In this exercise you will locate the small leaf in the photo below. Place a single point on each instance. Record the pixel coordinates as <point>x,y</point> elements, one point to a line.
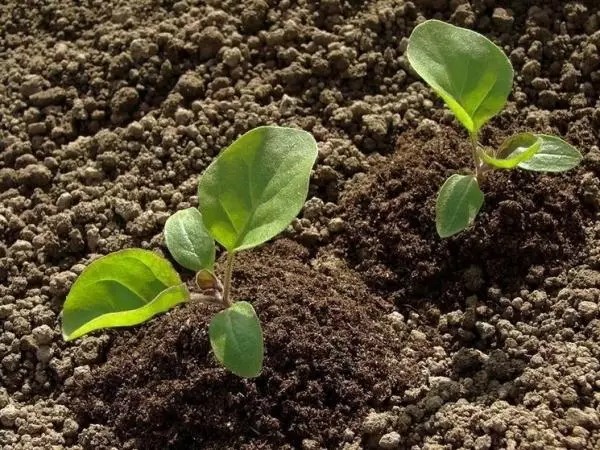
<point>211,289</point>
<point>471,74</point>
<point>188,240</point>
<point>458,202</point>
<point>518,148</point>
<point>207,281</point>
<point>237,341</point>
<point>555,155</point>
<point>256,186</point>
<point>121,289</point>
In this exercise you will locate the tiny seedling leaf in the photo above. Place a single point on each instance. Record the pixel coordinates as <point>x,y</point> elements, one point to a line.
<point>256,186</point>
<point>471,74</point>
<point>515,150</point>
<point>458,202</point>
<point>210,287</point>
<point>188,240</point>
<point>122,289</point>
<point>237,341</point>
<point>555,155</point>
<point>208,281</point>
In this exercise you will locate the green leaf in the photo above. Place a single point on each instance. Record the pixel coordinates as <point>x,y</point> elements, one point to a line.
<point>256,186</point>
<point>471,74</point>
<point>555,155</point>
<point>458,202</point>
<point>207,280</point>
<point>188,240</point>
<point>515,150</point>
<point>237,341</point>
<point>122,289</point>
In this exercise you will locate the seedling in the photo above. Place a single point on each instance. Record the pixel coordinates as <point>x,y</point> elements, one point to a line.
<point>248,195</point>
<point>474,78</point>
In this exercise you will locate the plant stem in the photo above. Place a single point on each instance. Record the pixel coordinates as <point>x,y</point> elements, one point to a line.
<point>227,286</point>
<point>476,159</point>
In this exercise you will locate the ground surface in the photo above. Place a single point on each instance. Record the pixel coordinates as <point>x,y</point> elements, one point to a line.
<point>378,334</point>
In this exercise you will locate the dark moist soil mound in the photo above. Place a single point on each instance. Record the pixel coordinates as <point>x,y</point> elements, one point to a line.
<point>329,357</point>
<point>530,225</point>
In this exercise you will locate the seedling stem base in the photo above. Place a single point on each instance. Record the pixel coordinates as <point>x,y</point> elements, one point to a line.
<point>227,285</point>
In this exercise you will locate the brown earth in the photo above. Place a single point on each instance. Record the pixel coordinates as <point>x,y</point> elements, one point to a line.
<point>328,359</point>
<point>378,333</point>
<point>531,225</point>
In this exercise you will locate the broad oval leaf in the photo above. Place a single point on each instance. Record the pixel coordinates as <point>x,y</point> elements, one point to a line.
<point>237,341</point>
<point>189,241</point>
<point>256,186</point>
<point>121,289</point>
<point>515,150</point>
<point>471,74</point>
<point>555,155</point>
<point>458,202</point>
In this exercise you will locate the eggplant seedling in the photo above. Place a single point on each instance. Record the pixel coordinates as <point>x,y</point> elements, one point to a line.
<point>474,78</point>
<point>248,195</point>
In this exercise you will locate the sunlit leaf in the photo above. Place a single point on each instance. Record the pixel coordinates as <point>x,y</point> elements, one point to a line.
<point>515,150</point>
<point>121,289</point>
<point>471,74</point>
<point>256,186</point>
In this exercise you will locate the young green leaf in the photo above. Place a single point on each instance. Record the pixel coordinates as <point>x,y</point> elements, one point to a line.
<point>256,186</point>
<point>207,280</point>
<point>515,150</point>
<point>471,74</point>
<point>458,202</point>
<point>188,240</point>
<point>555,155</point>
<point>237,341</point>
<point>210,288</point>
<point>121,289</point>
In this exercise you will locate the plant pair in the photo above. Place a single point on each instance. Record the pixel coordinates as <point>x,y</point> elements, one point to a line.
<point>248,195</point>
<point>474,78</point>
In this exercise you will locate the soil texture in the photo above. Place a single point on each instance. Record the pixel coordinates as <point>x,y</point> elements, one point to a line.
<point>378,334</point>
<point>531,225</point>
<point>330,357</point>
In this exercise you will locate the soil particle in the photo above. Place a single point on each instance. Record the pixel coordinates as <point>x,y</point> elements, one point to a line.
<point>52,96</point>
<point>125,100</point>
<point>390,441</point>
<point>502,19</point>
<point>34,175</point>
<point>190,86</point>
<point>209,41</point>
<point>43,334</point>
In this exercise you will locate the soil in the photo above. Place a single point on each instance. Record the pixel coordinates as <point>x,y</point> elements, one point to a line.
<point>529,223</point>
<point>330,358</point>
<point>378,334</point>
